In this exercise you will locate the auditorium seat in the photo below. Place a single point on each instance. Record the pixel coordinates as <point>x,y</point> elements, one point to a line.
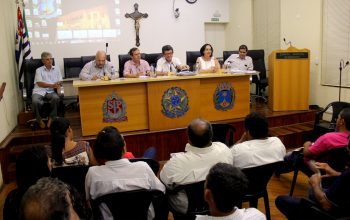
<point>152,58</point>
<point>191,58</point>
<point>72,67</point>
<point>224,133</point>
<point>130,204</point>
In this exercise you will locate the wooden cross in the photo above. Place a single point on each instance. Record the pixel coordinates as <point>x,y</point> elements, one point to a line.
<point>136,16</point>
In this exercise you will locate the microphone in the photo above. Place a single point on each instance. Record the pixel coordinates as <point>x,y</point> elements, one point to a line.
<point>286,43</point>
<point>106,47</point>
<point>246,66</point>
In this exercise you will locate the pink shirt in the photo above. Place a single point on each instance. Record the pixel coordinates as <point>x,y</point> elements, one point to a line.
<point>132,68</point>
<point>329,141</point>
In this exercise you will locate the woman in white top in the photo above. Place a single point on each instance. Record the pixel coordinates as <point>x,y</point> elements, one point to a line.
<point>207,63</point>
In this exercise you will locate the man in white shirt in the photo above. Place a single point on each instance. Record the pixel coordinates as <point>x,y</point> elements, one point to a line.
<point>255,148</point>
<point>240,61</point>
<point>225,187</point>
<point>117,174</point>
<point>193,165</point>
<point>100,68</point>
<point>47,79</point>
<point>168,63</point>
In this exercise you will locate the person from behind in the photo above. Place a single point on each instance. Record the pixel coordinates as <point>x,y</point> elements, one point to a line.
<point>48,199</point>
<point>193,165</point>
<point>116,174</point>
<point>255,148</point>
<point>136,66</point>
<point>334,200</point>
<point>100,68</point>
<point>32,164</point>
<point>47,79</point>
<point>206,63</point>
<point>225,187</point>
<point>240,61</point>
<point>168,63</point>
<point>66,151</point>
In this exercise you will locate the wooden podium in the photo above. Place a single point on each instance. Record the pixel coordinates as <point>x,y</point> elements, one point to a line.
<point>289,78</point>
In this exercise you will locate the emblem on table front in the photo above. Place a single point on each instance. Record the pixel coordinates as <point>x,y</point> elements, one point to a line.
<point>175,102</point>
<point>114,109</point>
<point>224,96</point>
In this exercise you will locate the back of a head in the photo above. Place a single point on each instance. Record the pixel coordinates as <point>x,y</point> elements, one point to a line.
<point>58,130</point>
<point>228,185</point>
<point>109,144</point>
<point>345,114</point>
<point>200,133</point>
<point>257,125</point>
<point>31,165</point>
<point>48,199</point>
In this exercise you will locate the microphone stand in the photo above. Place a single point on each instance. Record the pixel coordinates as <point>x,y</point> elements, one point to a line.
<point>341,67</point>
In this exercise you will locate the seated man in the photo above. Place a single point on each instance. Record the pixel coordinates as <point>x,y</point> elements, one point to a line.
<point>240,61</point>
<point>48,199</point>
<point>334,200</point>
<point>47,79</point>
<point>116,174</point>
<point>328,141</point>
<point>99,68</point>
<point>168,63</point>
<point>136,66</point>
<point>193,165</point>
<point>225,187</point>
<point>255,148</point>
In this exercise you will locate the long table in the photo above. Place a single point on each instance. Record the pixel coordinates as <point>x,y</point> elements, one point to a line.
<point>161,103</point>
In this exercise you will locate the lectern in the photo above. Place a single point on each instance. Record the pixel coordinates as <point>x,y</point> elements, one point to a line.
<point>289,76</point>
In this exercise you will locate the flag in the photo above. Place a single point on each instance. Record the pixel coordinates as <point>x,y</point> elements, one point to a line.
<point>22,45</point>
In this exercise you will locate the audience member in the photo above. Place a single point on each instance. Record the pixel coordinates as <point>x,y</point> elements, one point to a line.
<point>48,199</point>
<point>334,200</point>
<point>255,148</point>
<point>32,164</point>
<point>168,63</point>
<point>136,66</point>
<point>66,151</point>
<point>47,79</point>
<point>240,61</point>
<point>193,165</point>
<point>225,187</point>
<point>116,174</point>
<point>328,141</point>
<point>100,68</point>
<point>207,63</point>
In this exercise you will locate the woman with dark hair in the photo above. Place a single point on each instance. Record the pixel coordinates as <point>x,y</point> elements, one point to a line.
<point>32,164</point>
<point>66,151</point>
<point>206,62</point>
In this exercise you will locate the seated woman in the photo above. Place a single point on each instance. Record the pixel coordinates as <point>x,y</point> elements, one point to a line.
<point>66,151</point>
<point>32,164</point>
<point>206,62</point>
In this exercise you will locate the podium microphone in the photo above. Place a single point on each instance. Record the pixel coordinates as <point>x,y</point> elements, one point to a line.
<point>106,47</point>
<point>290,43</point>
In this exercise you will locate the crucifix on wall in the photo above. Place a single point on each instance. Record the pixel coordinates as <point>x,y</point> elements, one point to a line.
<point>136,16</point>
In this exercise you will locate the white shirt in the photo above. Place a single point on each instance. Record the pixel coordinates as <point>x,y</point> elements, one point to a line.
<point>190,167</point>
<point>240,64</point>
<point>42,74</point>
<point>90,70</point>
<point>117,176</point>
<point>206,65</point>
<point>165,66</point>
<point>258,152</point>
<point>239,214</point>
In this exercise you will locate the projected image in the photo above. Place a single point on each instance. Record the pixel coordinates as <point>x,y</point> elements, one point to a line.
<point>69,21</point>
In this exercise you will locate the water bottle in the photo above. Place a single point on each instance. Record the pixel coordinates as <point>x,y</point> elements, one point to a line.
<point>152,73</point>
<point>196,68</point>
<point>228,67</point>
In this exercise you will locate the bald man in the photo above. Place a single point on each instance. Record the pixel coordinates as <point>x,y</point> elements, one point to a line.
<point>99,68</point>
<point>193,165</point>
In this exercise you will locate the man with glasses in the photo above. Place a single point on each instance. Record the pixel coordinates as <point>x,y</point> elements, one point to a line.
<point>99,68</point>
<point>240,61</point>
<point>47,79</point>
<point>168,63</point>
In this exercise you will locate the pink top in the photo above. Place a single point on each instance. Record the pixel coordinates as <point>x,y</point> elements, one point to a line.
<point>132,68</point>
<point>329,141</point>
